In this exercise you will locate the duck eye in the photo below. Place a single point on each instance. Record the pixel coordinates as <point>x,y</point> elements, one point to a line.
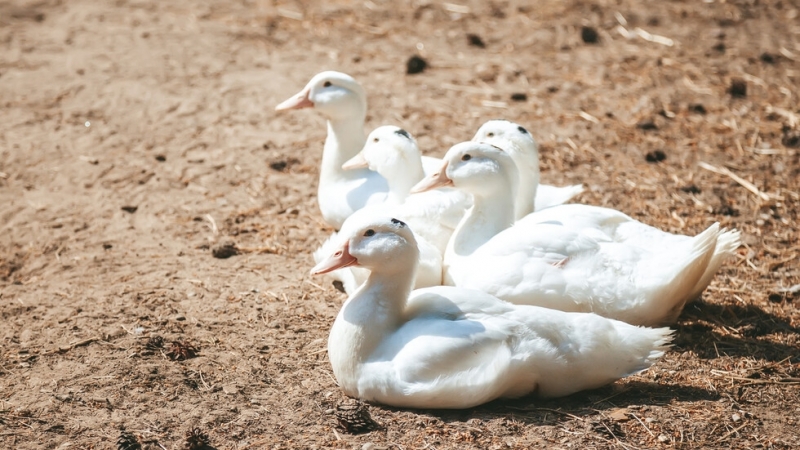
<point>369,232</point>
<point>375,140</point>
<point>490,134</point>
<point>466,157</point>
<point>326,84</point>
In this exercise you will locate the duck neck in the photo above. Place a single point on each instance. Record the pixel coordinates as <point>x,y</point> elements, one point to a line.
<point>373,312</point>
<point>525,202</point>
<point>402,179</point>
<point>345,139</point>
<point>490,214</point>
<point>525,198</point>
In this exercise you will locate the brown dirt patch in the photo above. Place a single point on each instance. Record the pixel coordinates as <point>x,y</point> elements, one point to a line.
<point>136,136</point>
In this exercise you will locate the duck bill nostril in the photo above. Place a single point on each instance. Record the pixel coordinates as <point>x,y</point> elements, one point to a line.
<point>436,180</point>
<point>342,258</point>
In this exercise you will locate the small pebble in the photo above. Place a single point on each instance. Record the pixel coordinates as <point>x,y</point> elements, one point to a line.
<point>655,156</point>
<point>791,138</point>
<point>475,41</point>
<point>224,250</point>
<point>647,125</point>
<point>130,209</point>
<point>416,64</point>
<point>697,108</point>
<point>768,58</point>
<point>738,88</point>
<point>663,438</point>
<point>519,97</point>
<point>736,417</point>
<point>589,35</point>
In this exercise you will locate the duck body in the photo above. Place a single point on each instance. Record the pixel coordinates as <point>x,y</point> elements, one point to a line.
<point>588,259</point>
<point>450,347</point>
<point>571,257</point>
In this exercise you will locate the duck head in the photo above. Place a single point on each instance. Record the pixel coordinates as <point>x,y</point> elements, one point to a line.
<point>474,167</point>
<point>509,136</point>
<point>336,95</point>
<point>375,242</point>
<point>387,147</point>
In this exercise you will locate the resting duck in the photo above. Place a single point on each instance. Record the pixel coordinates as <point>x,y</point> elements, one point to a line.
<point>517,141</point>
<point>343,102</point>
<point>448,347</point>
<point>569,257</point>
<point>394,154</point>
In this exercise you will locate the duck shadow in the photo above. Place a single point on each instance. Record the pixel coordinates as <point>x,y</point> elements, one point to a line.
<point>536,411</point>
<point>713,330</point>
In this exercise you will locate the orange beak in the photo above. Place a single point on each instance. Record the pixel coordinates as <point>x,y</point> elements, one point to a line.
<point>433,181</point>
<point>297,101</point>
<point>341,258</point>
<point>356,162</point>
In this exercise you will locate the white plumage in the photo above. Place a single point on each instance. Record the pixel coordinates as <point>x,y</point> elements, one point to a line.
<point>570,257</point>
<point>448,347</point>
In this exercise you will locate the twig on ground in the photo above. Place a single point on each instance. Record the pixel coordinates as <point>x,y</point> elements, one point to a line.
<point>745,184</point>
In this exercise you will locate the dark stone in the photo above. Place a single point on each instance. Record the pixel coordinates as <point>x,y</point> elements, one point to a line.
<point>775,297</point>
<point>280,166</point>
<point>130,209</point>
<point>519,96</point>
<point>647,125</point>
<point>589,35</point>
<point>475,40</point>
<point>791,138</point>
<point>655,156</point>
<point>161,158</point>
<point>225,250</point>
<point>697,108</point>
<point>339,286</point>
<point>416,64</point>
<point>738,88</point>
<point>768,58</point>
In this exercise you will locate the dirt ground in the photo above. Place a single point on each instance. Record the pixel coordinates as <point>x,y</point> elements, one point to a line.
<point>137,136</point>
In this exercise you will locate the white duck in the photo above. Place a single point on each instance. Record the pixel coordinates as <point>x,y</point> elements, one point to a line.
<point>569,257</point>
<point>447,347</point>
<point>394,154</point>
<point>519,143</point>
<point>343,102</point>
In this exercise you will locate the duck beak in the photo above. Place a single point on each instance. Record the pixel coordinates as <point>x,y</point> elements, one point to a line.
<point>433,181</point>
<point>356,162</point>
<point>297,101</point>
<point>342,258</point>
